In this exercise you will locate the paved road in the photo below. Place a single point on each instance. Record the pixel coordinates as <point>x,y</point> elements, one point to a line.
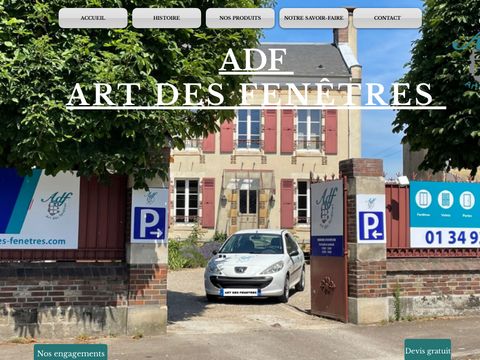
<point>267,330</point>
<point>189,311</point>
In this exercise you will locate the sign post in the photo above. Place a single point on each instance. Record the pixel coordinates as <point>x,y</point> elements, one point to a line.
<point>328,260</point>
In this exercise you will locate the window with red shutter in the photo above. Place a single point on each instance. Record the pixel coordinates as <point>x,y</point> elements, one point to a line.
<point>270,133</point>
<point>208,203</point>
<point>286,146</point>
<point>331,133</point>
<point>226,137</point>
<point>286,206</point>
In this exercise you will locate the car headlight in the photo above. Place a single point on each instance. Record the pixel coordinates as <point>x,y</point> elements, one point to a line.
<point>214,269</point>
<point>273,268</point>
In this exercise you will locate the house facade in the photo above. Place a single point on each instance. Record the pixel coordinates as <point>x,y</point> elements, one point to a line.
<point>255,172</point>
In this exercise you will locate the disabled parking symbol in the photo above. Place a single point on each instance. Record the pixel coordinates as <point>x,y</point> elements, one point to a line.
<point>149,223</point>
<point>371,225</point>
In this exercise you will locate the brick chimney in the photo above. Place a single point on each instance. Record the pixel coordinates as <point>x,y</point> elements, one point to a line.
<point>347,35</point>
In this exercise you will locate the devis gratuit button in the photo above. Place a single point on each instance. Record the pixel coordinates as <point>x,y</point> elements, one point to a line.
<point>93,18</point>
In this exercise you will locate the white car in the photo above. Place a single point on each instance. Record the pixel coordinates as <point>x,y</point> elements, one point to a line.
<point>261,263</point>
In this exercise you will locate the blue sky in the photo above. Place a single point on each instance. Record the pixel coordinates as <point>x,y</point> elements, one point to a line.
<point>382,53</point>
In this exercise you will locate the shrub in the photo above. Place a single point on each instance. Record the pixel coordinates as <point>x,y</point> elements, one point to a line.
<point>176,260</point>
<point>207,249</point>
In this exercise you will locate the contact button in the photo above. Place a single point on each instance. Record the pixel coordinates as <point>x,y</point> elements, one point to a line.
<point>313,18</point>
<point>92,18</point>
<point>387,18</point>
<point>236,18</point>
<point>166,18</point>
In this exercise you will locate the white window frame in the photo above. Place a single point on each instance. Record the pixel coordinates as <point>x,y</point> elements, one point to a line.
<point>249,131</point>
<point>309,128</point>
<point>187,202</point>
<point>307,223</point>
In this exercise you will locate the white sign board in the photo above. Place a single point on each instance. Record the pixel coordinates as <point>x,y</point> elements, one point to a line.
<point>149,216</point>
<point>327,218</point>
<point>39,211</point>
<point>371,219</point>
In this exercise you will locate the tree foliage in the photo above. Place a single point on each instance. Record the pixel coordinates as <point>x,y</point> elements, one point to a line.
<point>40,64</point>
<point>452,135</point>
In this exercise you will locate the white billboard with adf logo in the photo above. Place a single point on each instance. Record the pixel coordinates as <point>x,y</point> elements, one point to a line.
<point>39,211</point>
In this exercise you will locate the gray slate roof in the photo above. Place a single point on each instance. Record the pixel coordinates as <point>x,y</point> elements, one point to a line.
<point>308,61</point>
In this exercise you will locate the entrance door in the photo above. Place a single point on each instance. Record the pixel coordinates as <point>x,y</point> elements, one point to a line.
<point>248,204</point>
<point>328,246</point>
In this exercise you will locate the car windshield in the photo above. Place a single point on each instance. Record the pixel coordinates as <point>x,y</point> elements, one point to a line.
<point>253,243</point>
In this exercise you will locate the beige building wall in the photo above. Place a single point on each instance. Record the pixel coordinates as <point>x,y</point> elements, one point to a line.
<point>193,164</point>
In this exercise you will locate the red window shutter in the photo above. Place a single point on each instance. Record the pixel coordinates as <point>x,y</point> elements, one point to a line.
<point>270,133</point>
<point>208,202</point>
<point>226,137</point>
<point>170,202</point>
<point>208,145</point>
<point>286,206</point>
<point>287,132</point>
<point>331,133</point>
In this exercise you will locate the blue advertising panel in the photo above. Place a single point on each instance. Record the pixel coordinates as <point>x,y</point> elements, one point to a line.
<point>327,219</point>
<point>444,215</point>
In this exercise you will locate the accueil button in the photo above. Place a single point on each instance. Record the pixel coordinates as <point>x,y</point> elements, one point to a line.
<point>387,18</point>
<point>237,18</point>
<point>93,18</point>
<point>313,18</point>
<point>166,18</point>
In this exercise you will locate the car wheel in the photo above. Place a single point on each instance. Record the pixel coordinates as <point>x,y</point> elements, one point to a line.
<point>286,291</point>
<point>212,298</point>
<point>301,284</point>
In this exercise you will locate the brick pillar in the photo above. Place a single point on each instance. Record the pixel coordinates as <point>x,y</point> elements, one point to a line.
<point>367,276</point>
<point>147,284</point>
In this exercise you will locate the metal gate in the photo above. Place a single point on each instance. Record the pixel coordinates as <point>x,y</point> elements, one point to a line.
<point>328,246</point>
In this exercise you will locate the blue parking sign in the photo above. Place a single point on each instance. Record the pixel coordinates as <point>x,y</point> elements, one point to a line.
<point>149,223</point>
<point>371,225</point>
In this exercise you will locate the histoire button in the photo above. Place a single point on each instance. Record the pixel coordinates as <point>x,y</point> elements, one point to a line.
<point>237,18</point>
<point>313,18</point>
<point>93,18</point>
<point>166,18</point>
<point>387,18</point>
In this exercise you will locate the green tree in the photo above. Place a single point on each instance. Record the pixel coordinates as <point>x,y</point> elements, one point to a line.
<point>40,63</point>
<point>452,135</point>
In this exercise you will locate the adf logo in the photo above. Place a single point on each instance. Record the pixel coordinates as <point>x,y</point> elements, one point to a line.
<point>57,204</point>
<point>474,57</point>
<point>327,207</point>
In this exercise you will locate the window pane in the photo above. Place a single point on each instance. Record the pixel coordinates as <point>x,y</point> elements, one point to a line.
<point>302,202</point>
<point>193,186</point>
<point>193,201</point>
<point>302,129</point>
<point>255,142</point>
<point>302,115</point>
<point>315,116</point>
<point>255,115</point>
<point>180,186</point>
<point>302,216</point>
<point>255,128</point>
<point>242,127</point>
<point>243,201</point>
<point>302,187</point>
<point>242,141</point>
<point>252,203</point>
<point>315,129</point>
<point>242,115</point>
<point>180,201</point>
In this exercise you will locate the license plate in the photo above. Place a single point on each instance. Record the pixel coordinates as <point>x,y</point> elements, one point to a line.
<point>239,292</point>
